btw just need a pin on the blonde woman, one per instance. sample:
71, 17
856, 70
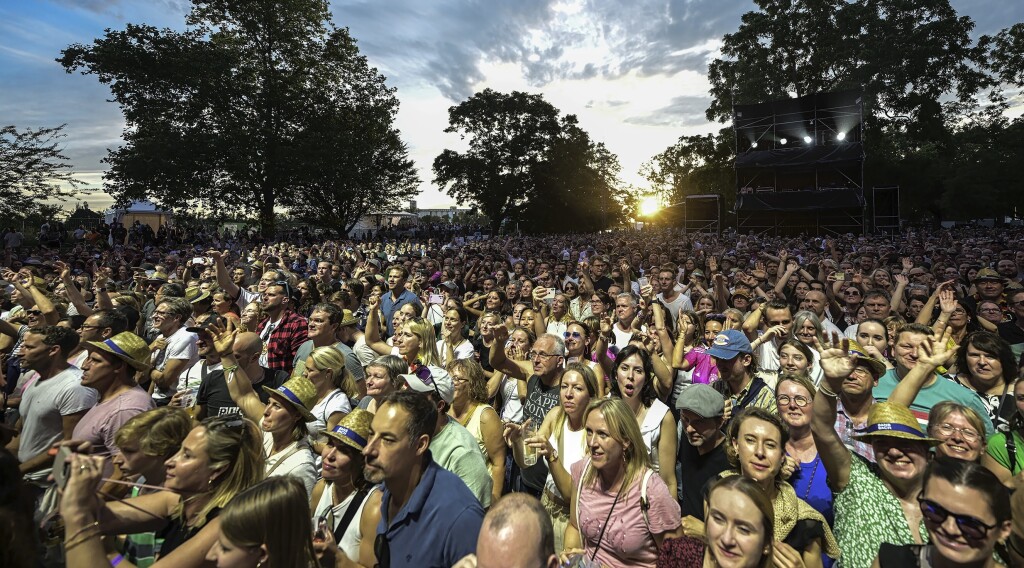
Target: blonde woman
220, 458
414, 340
606, 521
470, 408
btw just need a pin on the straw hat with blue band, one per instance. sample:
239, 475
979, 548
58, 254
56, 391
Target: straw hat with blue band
353, 430
893, 420
127, 347
300, 393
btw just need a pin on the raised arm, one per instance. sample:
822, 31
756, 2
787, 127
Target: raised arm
500, 362
74, 294
42, 301
239, 385
223, 276
931, 355
836, 364
373, 325
896, 302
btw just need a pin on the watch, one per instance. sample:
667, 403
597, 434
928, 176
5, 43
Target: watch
554, 455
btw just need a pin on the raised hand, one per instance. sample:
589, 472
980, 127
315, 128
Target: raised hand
901, 278
947, 301
836, 362
907, 264
224, 338
935, 352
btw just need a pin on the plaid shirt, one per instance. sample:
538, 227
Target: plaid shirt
845, 427
284, 340
756, 393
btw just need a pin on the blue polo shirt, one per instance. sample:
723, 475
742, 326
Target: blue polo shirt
438, 526
389, 306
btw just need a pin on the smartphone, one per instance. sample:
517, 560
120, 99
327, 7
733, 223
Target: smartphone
198, 260
321, 529
62, 467
550, 295
435, 299
643, 281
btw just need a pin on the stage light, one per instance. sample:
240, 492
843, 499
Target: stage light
841, 136
753, 144
783, 141
807, 139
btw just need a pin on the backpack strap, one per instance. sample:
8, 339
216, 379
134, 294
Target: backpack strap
1011, 451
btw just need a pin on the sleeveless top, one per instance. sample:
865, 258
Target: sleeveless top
650, 430
474, 428
571, 449
177, 532
349, 541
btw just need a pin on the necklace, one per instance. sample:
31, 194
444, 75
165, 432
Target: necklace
810, 482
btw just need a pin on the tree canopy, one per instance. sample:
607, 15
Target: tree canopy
527, 164
256, 106
932, 102
33, 168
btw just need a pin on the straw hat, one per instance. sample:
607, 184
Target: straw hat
298, 392
348, 318
893, 420
877, 367
354, 429
127, 347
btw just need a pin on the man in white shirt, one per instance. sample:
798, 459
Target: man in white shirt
670, 295
174, 350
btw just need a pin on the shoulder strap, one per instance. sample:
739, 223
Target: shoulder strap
350, 513
579, 491
1011, 451
645, 504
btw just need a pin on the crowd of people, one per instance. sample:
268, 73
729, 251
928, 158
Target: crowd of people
614, 399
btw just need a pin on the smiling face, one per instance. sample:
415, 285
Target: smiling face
960, 439
320, 329
408, 343
949, 541
735, 529
758, 445
806, 332
575, 339
792, 360
900, 460
794, 402
605, 451
378, 383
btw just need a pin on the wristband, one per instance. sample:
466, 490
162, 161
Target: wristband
116, 560
826, 391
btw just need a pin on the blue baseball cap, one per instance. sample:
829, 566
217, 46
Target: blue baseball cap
729, 344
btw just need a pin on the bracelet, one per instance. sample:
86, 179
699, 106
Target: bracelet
230, 369
117, 560
825, 391
91, 525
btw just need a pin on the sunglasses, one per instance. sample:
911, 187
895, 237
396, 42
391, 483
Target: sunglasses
423, 373
969, 526
572, 334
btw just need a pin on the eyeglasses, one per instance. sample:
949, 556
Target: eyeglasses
800, 400
968, 434
572, 334
537, 354
971, 527
87, 326
382, 550
34, 312
852, 293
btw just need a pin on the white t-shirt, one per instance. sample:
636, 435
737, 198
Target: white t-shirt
180, 345
246, 297
44, 405
682, 302
464, 350
349, 543
364, 352
336, 401
298, 462
512, 410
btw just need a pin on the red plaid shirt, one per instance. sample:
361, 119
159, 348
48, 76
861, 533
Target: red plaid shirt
284, 340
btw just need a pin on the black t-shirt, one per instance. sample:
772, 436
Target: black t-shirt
539, 400
603, 283
214, 396
483, 353
693, 471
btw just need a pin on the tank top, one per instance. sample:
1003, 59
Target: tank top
650, 430
474, 428
571, 449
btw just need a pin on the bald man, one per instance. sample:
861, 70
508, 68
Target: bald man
215, 400
516, 533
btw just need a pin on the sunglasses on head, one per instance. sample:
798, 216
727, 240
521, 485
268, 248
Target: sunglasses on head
423, 373
971, 527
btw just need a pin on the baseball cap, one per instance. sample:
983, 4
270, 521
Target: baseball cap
702, 400
430, 379
729, 344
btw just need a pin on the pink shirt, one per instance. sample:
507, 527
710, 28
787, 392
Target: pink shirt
100, 425
627, 542
704, 369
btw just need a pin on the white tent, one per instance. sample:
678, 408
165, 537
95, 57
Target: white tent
141, 211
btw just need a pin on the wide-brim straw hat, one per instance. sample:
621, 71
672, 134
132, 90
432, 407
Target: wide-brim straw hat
878, 367
353, 430
893, 420
127, 347
300, 393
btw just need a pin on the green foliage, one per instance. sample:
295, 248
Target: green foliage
258, 106
527, 165
33, 167
923, 77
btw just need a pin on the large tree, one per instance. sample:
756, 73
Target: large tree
33, 167
694, 165
922, 73
526, 164
230, 115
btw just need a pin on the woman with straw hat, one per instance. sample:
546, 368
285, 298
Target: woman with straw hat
283, 418
873, 503
340, 498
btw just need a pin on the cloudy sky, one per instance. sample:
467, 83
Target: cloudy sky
633, 71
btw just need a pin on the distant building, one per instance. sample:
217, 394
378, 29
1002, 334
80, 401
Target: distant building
447, 212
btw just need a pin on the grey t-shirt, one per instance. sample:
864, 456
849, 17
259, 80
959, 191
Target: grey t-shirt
44, 405
351, 361
458, 451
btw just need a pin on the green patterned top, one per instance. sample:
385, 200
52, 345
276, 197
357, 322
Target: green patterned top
867, 515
